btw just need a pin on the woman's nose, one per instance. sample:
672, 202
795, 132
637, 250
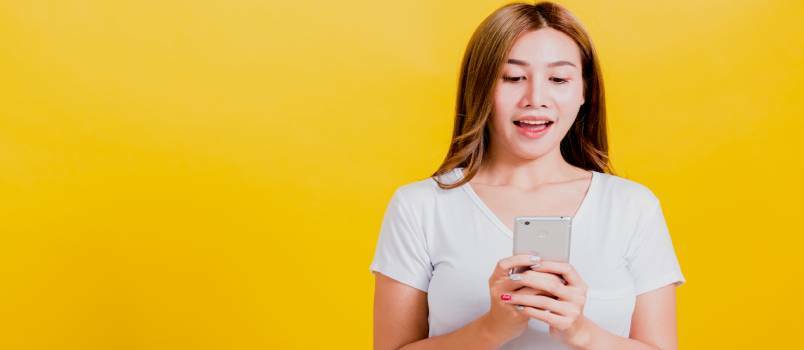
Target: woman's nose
535, 94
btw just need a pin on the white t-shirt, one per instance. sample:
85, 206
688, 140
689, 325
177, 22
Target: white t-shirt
447, 243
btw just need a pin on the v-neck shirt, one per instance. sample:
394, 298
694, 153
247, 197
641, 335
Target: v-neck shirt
447, 242
496, 220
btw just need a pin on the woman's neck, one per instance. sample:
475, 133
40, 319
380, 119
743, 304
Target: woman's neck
527, 173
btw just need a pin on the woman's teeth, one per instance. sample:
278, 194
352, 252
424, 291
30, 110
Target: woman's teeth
536, 125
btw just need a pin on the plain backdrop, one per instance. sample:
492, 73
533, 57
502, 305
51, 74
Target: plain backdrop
212, 174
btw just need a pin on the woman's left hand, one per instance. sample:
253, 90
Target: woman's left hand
564, 313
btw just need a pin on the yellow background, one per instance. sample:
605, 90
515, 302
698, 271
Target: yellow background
212, 174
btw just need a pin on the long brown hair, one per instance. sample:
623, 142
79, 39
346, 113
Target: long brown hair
585, 144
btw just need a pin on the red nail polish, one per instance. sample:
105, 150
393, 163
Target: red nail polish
505, 297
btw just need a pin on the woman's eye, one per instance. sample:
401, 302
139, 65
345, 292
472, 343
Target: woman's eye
514, 79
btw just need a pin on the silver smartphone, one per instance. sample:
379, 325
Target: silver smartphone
546, 236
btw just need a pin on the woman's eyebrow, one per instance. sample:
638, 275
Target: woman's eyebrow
549, 65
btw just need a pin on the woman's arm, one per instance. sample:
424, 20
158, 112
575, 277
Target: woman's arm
654, 319
400, 321
653, 325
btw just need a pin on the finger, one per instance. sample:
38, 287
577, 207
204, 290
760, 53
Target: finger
559, 277
561, 308
577, 294
543, 282
504, 266
564, 269
531, 291
541, 315
511, 282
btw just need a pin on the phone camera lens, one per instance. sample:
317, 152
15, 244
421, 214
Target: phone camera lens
527, 222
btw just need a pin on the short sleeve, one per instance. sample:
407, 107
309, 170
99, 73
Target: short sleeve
401, 251
651, 257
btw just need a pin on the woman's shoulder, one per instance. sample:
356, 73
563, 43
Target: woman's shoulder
626, 189
425, 189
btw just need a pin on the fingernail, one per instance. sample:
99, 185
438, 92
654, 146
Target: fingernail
515, 277
519, 307
505, 297
535, 258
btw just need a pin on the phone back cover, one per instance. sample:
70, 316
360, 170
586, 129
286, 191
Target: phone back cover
549, 237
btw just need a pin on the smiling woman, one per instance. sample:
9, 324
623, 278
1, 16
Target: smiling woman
529, 139
540, 73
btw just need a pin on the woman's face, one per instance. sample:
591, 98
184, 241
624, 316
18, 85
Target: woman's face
541, 81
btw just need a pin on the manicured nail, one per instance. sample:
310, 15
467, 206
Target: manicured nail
520, 307
505, 297
515, 277
536, 258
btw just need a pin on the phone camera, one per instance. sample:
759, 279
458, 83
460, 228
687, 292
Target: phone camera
527, 222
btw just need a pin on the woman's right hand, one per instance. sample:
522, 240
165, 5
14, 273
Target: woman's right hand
503, 320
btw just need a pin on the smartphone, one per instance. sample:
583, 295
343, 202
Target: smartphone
545, 236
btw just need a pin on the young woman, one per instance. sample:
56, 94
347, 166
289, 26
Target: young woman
529, 140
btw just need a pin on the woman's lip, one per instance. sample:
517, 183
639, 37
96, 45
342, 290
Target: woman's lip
534, 134
518, 122
533, 118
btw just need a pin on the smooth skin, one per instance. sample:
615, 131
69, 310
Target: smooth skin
542, 77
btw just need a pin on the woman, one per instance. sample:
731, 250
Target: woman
529, 140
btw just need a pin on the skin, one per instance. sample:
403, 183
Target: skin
533, 174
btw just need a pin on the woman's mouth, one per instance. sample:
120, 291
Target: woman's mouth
533, 129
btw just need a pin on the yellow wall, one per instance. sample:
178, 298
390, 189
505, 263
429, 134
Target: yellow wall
212, 174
